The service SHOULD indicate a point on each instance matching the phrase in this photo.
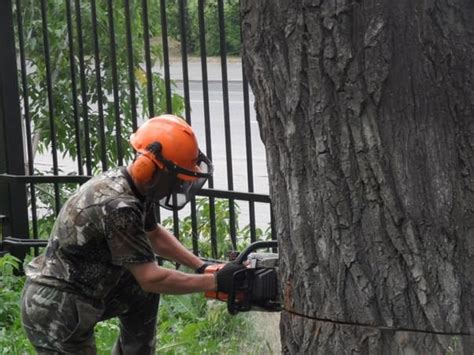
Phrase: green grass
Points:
(12, 338)
(187, 324)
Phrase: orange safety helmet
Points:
(166, 141)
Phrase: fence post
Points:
(13, 201)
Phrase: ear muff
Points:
(143, 169)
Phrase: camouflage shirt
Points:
(100, 228)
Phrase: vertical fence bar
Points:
(182, 28)
(225, 93)
(49, 85)
(195, 235)
(184, 57)
(272, 223)
(13, 202)
(82, 71)
(194, 226)
(149, 75)
(248, 144)
(131, 65)
(187, 102)
(166, 58)
(166, 63)
(207, 121)
(72, 68)
(98, 82)
(26, 106)
(113, 65)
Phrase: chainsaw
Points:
(253, 288)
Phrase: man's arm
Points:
(153, 278)
(166, 245)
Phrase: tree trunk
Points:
(366, 112)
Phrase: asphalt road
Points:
(237, 130)
(237, 135)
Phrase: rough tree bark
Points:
(366, 109)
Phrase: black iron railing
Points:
(86, 77)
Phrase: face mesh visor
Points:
(183, 191)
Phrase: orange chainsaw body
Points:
(221, 296)
(254, 287)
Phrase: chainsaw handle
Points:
(255, 246)
(234, 307)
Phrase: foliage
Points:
(45, 200)
(85, 94)
(106, 334)
(211, 19)
(95, 106)
(12, 339)
(187, 324)
(9, 287)
(222, 225)
(191, 325)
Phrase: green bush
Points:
(12, 338)
(187, 324)
(203, 235)
(62, 103)
(191, 325)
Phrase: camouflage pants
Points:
(58, 322)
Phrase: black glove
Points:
(200, 269)
(225, 276)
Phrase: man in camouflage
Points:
(100, 259)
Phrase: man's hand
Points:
(225, 277)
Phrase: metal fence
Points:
(77, 77)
